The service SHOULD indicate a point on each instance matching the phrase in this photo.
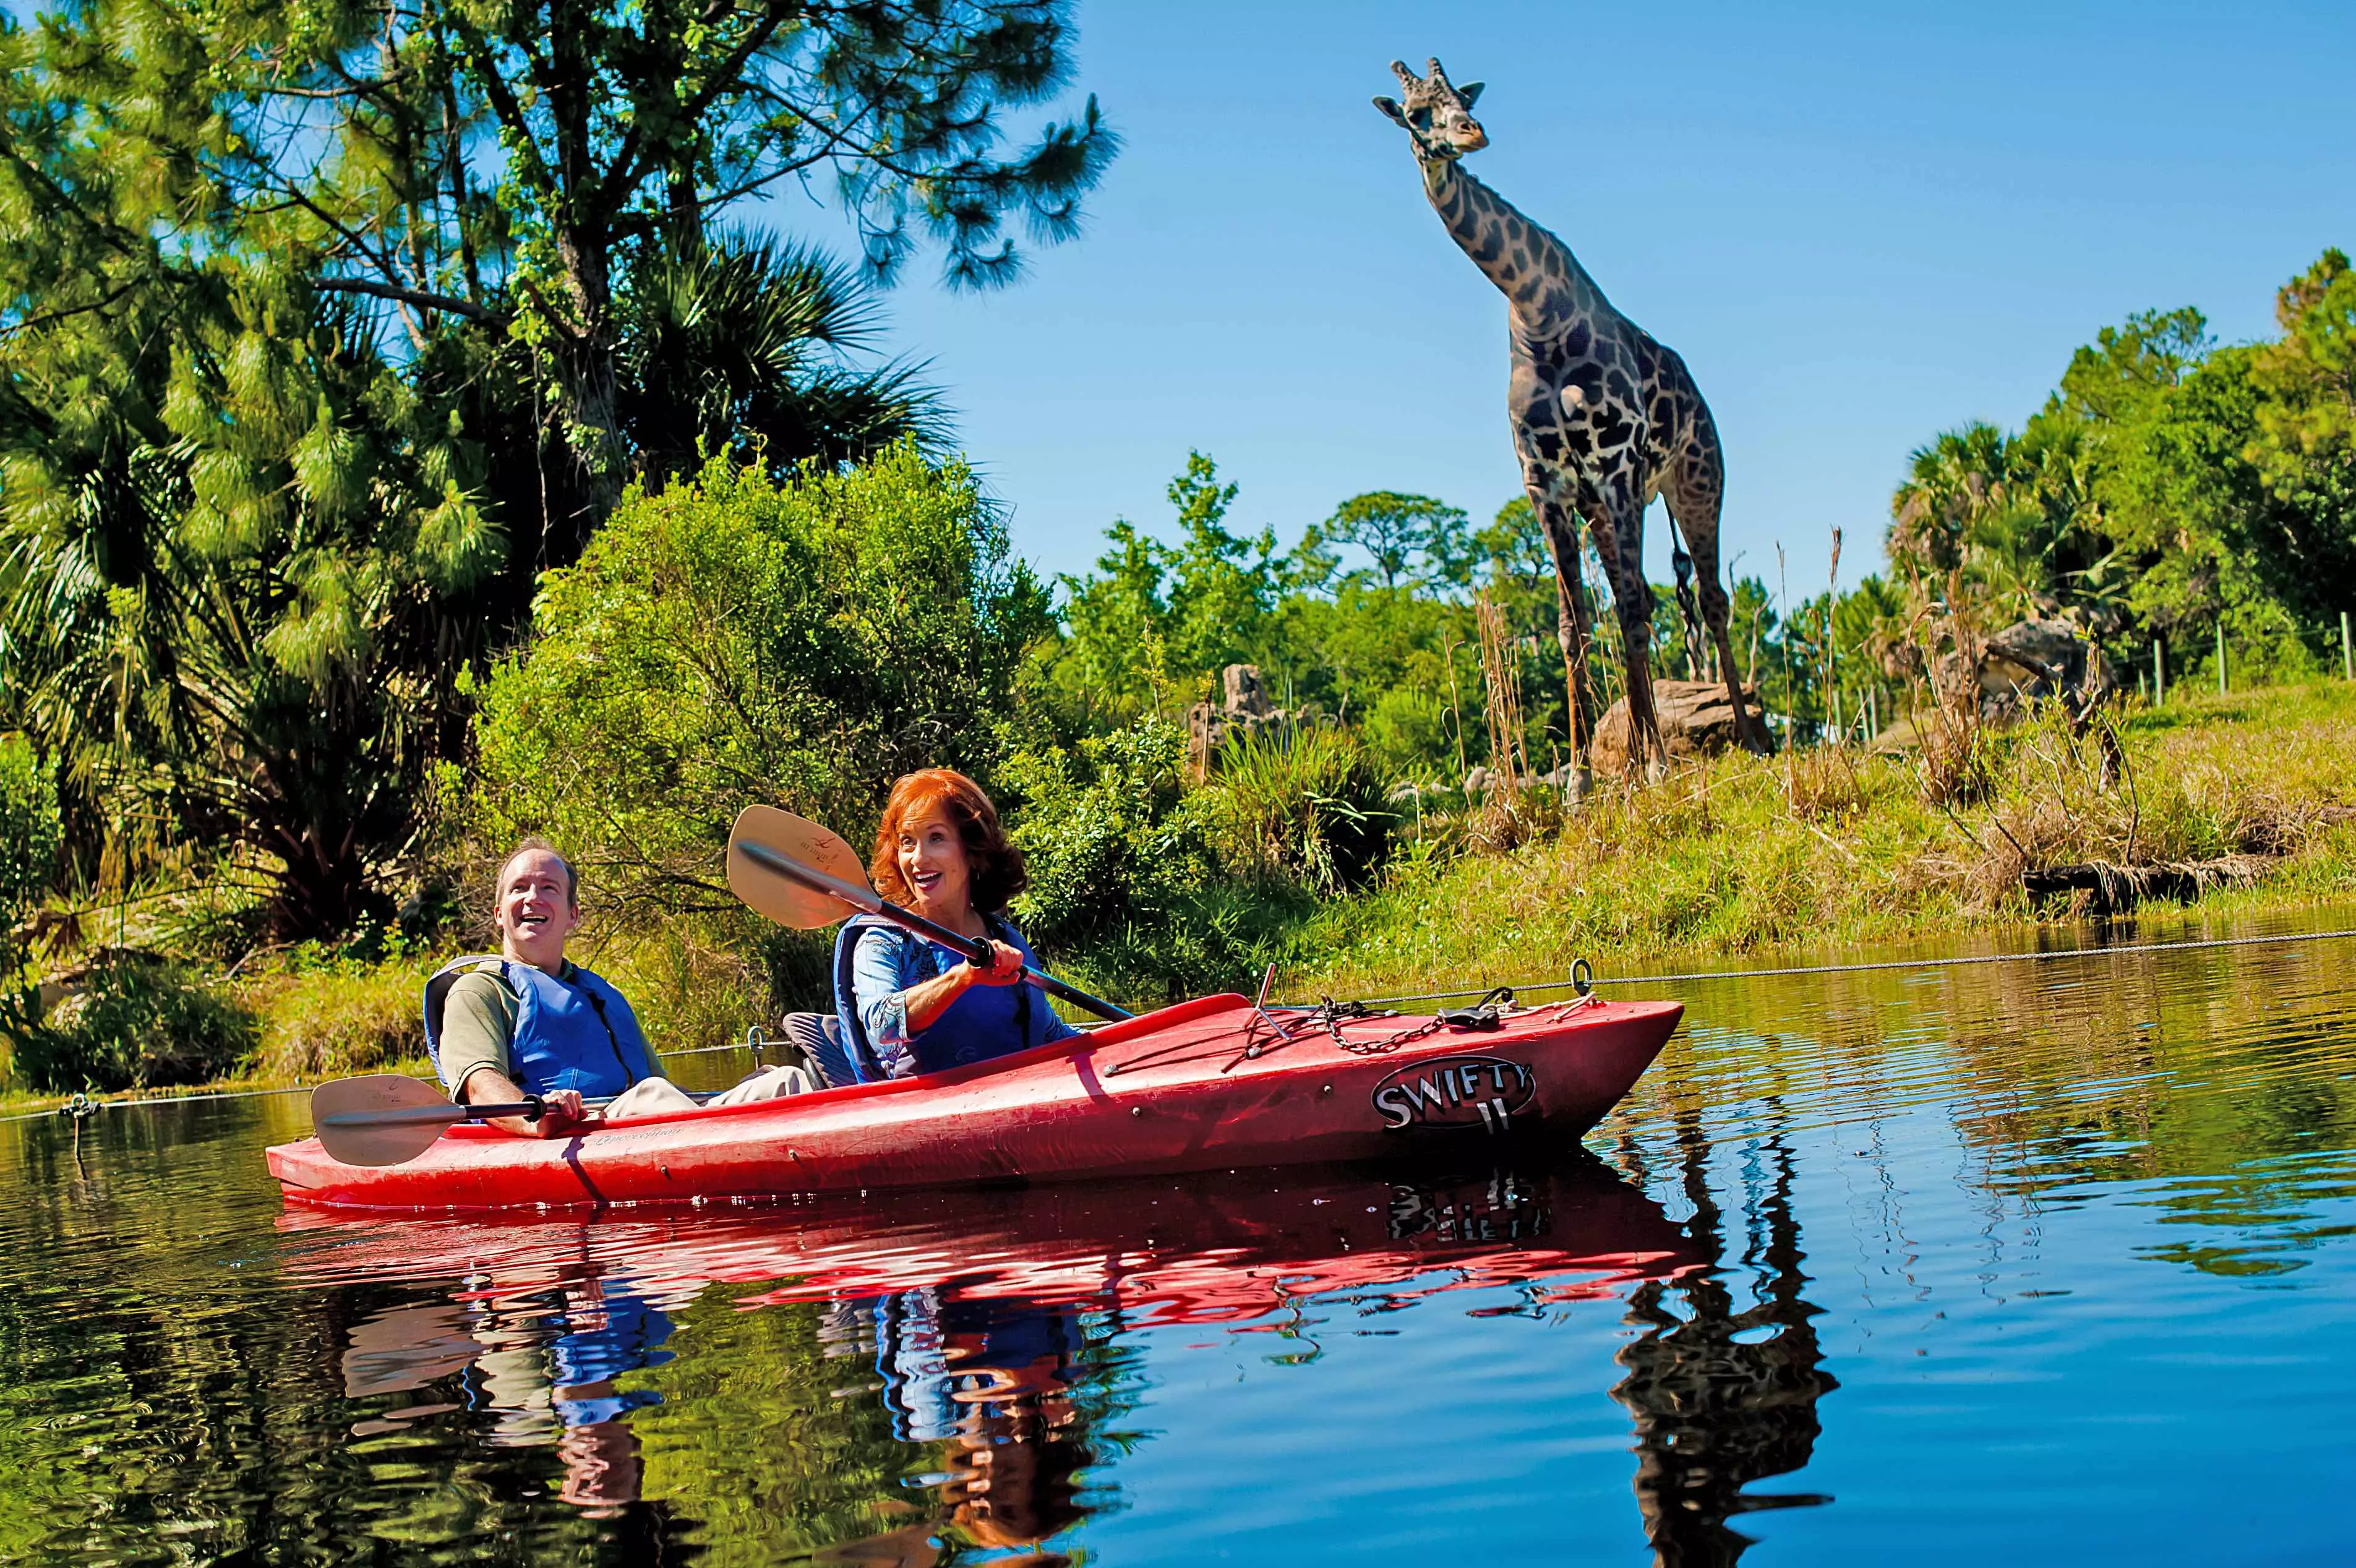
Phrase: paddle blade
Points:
(780, 899)
(380, 1093)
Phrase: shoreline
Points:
(2171, 927)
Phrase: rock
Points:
(1244, 708)
(1476, 785)
(1696, 720)
(2033, 658)
(1246, 692)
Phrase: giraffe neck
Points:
(1539, 277)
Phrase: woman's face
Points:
(933, 864)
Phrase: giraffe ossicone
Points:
(1604, 417)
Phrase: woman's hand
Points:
(1005, 966)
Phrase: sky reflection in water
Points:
(2048, 1259)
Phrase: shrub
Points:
(1310, 807)
(331, 1024)
(1126, 887)
(142, 1023)
(738, 640)
(29, 839)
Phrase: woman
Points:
(907, 1007)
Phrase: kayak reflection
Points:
(896, 1381)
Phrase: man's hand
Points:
(561, 1112)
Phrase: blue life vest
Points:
(575, 1033)
(988, 1021)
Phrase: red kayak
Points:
(1211, 1083)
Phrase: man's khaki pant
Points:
(661, 1097)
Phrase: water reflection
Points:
(2065, 1237)
(906, 1381)
(1723, 1396)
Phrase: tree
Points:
(1158, 617)
(734, 638)
(349, 147)
(1406, 536)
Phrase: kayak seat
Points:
(818, 1037)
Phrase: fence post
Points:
(2221, 658)
(2347, 656)
(2158, 672)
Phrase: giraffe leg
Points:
(1696, 488)
(1573, 628)
(1618, 524)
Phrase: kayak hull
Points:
(1207, 1084)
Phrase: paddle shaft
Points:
(432, 1115)
(867, 901)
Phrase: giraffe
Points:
(1604, 418)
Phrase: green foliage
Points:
(2169, 487)
(738, 640)
(1307, 809)
(1151, 632)
(321, 1024)
(139, 1025)
(30, 837)
(322, 332)
(1127, 889)
(507, 173)
(1409, 536)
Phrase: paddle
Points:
(386, 1119)
(800, 875)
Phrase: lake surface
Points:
(2045, 1263)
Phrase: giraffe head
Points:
(1438, 115)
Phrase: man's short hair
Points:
(527, 844)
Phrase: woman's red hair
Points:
(994, 865)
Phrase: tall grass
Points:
(1739, 855)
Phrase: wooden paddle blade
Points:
(777, 897)
(376, 1091)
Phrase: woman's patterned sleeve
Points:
(879, 991)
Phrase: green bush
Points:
(142, 1023)
(1309, 808)
(1409, 732)
(1127, 891)
(738, 640)
(30, 836)
(329, 1024)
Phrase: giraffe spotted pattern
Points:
(1605, 417)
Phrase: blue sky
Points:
(1860, 225)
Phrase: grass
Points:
(1741, 857)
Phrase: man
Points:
(531, 1022)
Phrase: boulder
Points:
(1244, 708)
(2033, 658)
(1696, 720)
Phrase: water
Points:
(2050, 1262)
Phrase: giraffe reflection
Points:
(1722, 1397)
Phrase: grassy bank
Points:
(1737, 858)
(1821, 851)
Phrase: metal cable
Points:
(2038, 957)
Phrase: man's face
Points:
(536, 911)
